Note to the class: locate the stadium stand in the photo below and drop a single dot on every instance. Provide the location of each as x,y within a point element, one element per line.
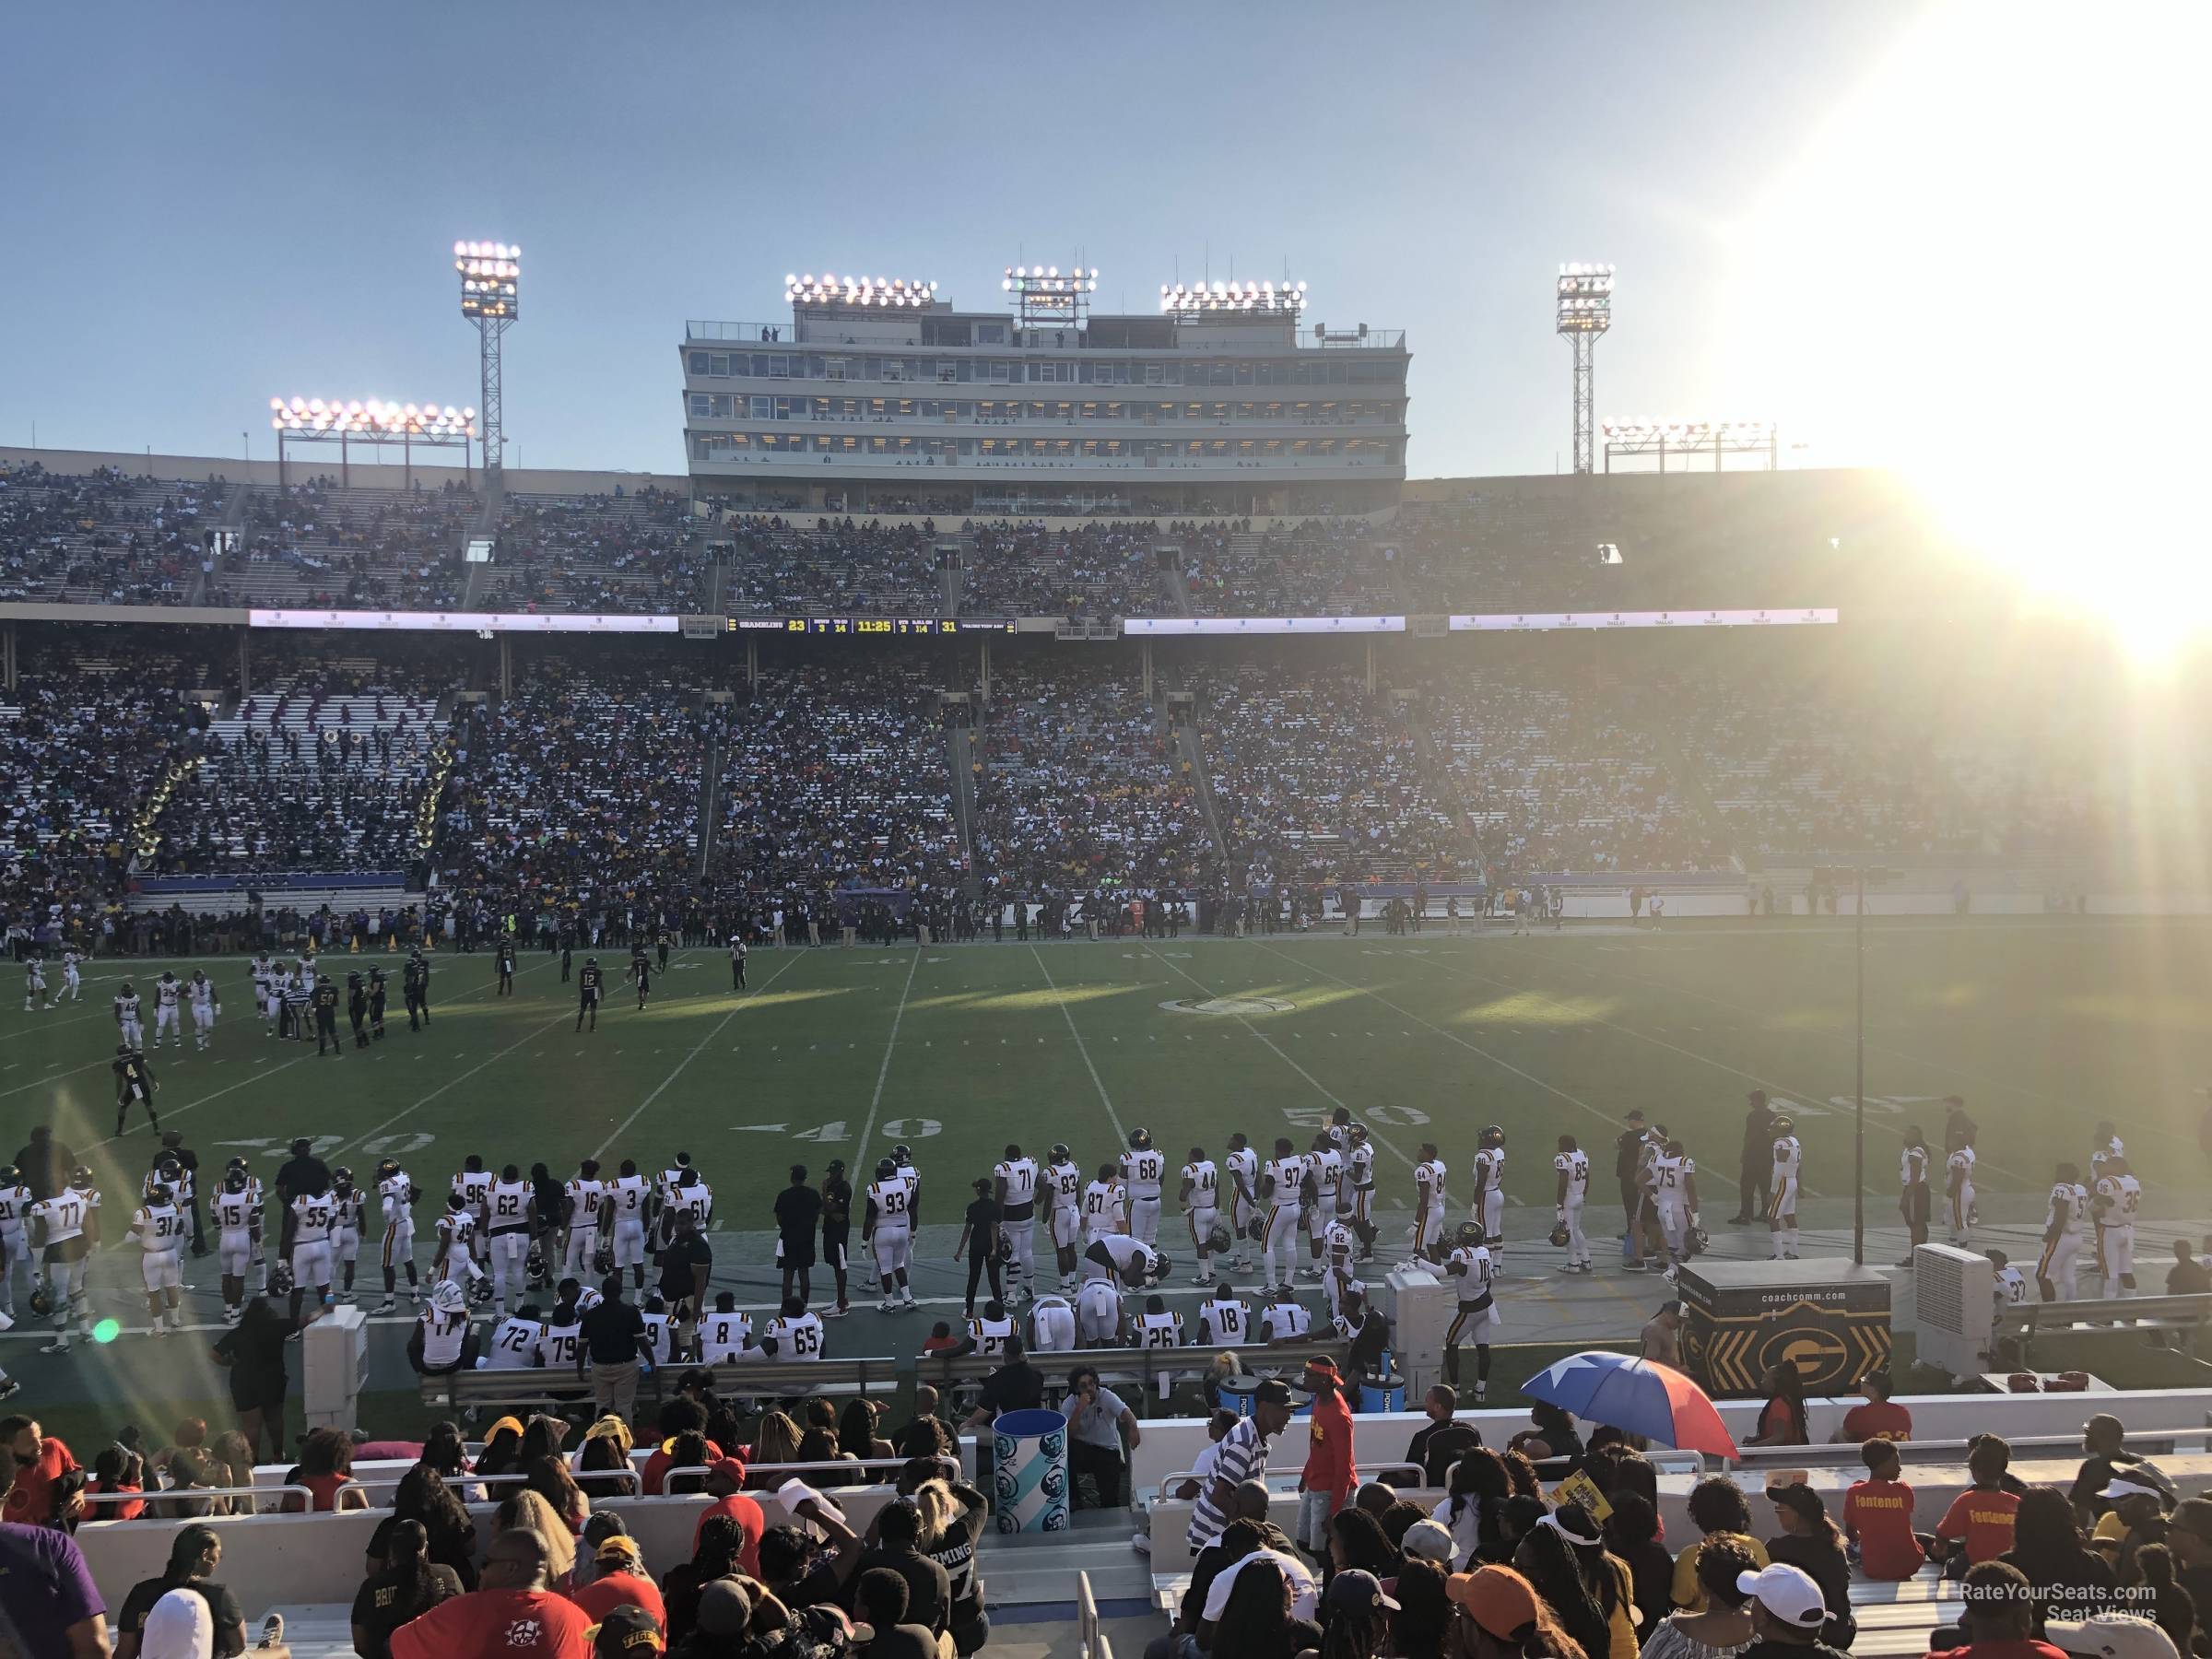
<point>777,568</point>
<point>104,537</point>
<point>637,551</point>
<point>318,545</point>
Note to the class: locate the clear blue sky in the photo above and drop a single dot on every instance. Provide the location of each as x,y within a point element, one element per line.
<point>205,206</point>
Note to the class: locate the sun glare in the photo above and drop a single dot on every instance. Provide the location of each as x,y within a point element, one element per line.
<point>1976,272</point>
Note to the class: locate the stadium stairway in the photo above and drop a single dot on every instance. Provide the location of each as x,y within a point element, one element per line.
<point>1680,769</point>
<point>1176,591</point>
<point>710,797</point>
<point>959,758</point>
<point>1441,778</point>
<point>1193,751</point>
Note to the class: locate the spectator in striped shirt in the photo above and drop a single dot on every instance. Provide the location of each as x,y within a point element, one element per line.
<point>1240,1456</point>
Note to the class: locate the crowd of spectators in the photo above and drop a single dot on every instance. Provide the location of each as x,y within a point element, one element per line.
<point>836,567</point>
<point>1316,779</point>
<point>1078,786</point>
<point>319,546</point>
<point>636,550</point>
<point>836,775</point>
<point>1555,780</point>
<point>1319,567</point>
<point>102,537</point>
<point>1095,570</point>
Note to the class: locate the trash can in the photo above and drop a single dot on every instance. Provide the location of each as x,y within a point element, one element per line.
<point>1029,1459</point>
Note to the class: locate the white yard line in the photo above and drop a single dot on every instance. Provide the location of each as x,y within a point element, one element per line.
<point>884,1072</point>
<point>623,1127</point>
<point>1083,1049</point>
<point>53,1077</point>
<point>531,1036</point>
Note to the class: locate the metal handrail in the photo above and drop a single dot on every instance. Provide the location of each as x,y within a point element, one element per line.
<point>195,1494</point>
<point>1365,1471</point>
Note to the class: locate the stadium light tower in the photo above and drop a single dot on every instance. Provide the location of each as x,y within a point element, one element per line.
<point>1585,312</point>
<point>490,281</point>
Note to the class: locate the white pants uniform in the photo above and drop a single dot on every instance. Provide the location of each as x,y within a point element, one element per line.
<point>18,1257</point>
<point>72,984</point>
<point>1281,1236</point>
<point>1578,1242</point>
<point>1202,1222</point>
<point>1319,1217</point>
<point>1067,1228</point>
<point>576,1257</point>
<point>2058,1264</point>
<point>1098,1313</point>
<point>203,1017</point>
<point>133,1032</point>
<point>65,1285</point>
<point>1428,1227</point>
<point>346,1244</point>
<point>161,1270</point>
<point>894,1249</point>
<point>1144,1220</point>
<point>399,1243</point>
<point>165,1019</point>
<point>2116,1257</point>
<point>311,1264</point>
<point>1056,1327</point>
<point>234,1254</point>
<point>629,1242</point>
<point>1962,1208</point>
<point>1241,1214</point>
<point>1021,1236</point>
<point>1674,1227</point>
<point>1784,1199</point>
<point>509,1250</point>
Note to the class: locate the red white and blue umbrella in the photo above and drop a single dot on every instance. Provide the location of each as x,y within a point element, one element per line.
<point>1639,1396</point>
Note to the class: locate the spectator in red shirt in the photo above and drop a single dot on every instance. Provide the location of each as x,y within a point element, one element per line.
<point>1327,1481</point>
<point>118,1469</point>
<point>1877,1515</point>
<point>620,1578</point>
<point>679,1415</point>
<point>940,1339</point>
<point>1980,1518</point>
<point>1782,1418</point>
<point>1998,1615</point>
<point>1878,1419</point>
<point>514,1615</point>
<point>42,1465</point>
<point>725,1485</point>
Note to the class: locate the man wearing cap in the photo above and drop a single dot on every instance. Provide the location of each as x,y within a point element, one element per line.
<point>626,1632</point>
<point>1999,1616</point>
<point>1242,1456</point>
<point>514,1613</point>
<point>1325,1485</point>
<point>2137,1517</point>
<point>620,1582</point>
<point>2103,1440</point>
<point>725,1485</point>
<point>1787,1614</point>
<point>1498,1601</point>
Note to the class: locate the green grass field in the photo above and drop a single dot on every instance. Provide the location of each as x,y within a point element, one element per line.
<point>2043,1026</point>
<point>956,1050</point>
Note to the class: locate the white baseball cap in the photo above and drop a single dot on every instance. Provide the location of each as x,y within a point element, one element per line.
<point>1790,1595</point>
<point>2122,1487</point>
<point>2113,1636</point>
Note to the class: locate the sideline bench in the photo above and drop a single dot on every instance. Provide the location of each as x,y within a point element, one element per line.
<point>2103,1316</point>
<point>547,1389</point>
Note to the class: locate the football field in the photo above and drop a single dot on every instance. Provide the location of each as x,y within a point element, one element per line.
<point>2043,1026</point>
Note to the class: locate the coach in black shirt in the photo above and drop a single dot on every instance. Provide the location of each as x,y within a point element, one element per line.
<point>302,1173</point>
<point>798,1209</point>
<point>1016,1385</point>
<point>686,1261</point>
<point>615,1342</point>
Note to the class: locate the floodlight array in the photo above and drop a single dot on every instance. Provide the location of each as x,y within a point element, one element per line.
<point>890,291</point>
<point>1648,430</point>
<point>370,418</point>
<point>1289,297</point>
<point>1046,281</point>
<point>490,276</point>
<point>1585,299</point>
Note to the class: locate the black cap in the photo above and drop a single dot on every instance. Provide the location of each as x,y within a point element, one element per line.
<point>624,1632</point>
<point>1274,1391</point>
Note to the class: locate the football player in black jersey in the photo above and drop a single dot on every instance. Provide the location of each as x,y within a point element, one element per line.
<point>134,1083</point>
<point>587,993</point>
<point>376,1003</point>
<point>325,1001</point>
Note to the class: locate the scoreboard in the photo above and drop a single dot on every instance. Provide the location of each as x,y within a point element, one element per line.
<point>887,626</point>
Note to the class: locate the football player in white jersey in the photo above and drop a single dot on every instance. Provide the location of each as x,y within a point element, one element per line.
<point>623,1214</point>
<point>513,1223</point>
<point>159,1229</point>
<point>169,997</point>
<point>1959,1188</point>
<point>1489,1191</point>
<point>1201,1209</point>
<point>1053,1325</point>
<point>1284,1320</point>
<point>888,1230</point>
<point>690,1195</point>
<point>395,1196</point>
<point>515,1341</point>
<point>1158,1329</point>
<point>73,977</point>
<point>2009,1283</point>
<point>725,1336</point>
<point>35,1000</point>
<point>1573,1167</point>
<point>263,973</point>
<point>1782,1204</point>
<point>1675,1201</point>
<point>1427,1207</point>
<point>989,1332</point>
<point>1359,1186</point>
<point>1282,1189</point>
<point>1015,1179</point>
<point>2104,1145</point>
<point>1105,1206</point>
<point>1340,1248</point>
<point>237,1235</point>
<point>1470,1271</point>
<point>1224,1321</point>
<point>1242,1165</point>
<point>65,1228</point>
<point>2119,1197</point>
<point>200,989</point>
<point>1325,1171</point>
<point>345,1227</point>
<point>1142,1169</point>
<point>1913,1201</point>
<point>794,1333</point>
<point>2066,1224</point>
<point>440,1341</point>
<point>313,1217</point>
<point>14,1251</point>
<point>561,1336</point>
<point>661,1334</point>
<point>454,1256</point>
<point>472,1185</point>
<point>581,1199</point>
<point>126,1016</point>
<point>904,1161</point>
<point>1063,1182</point>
